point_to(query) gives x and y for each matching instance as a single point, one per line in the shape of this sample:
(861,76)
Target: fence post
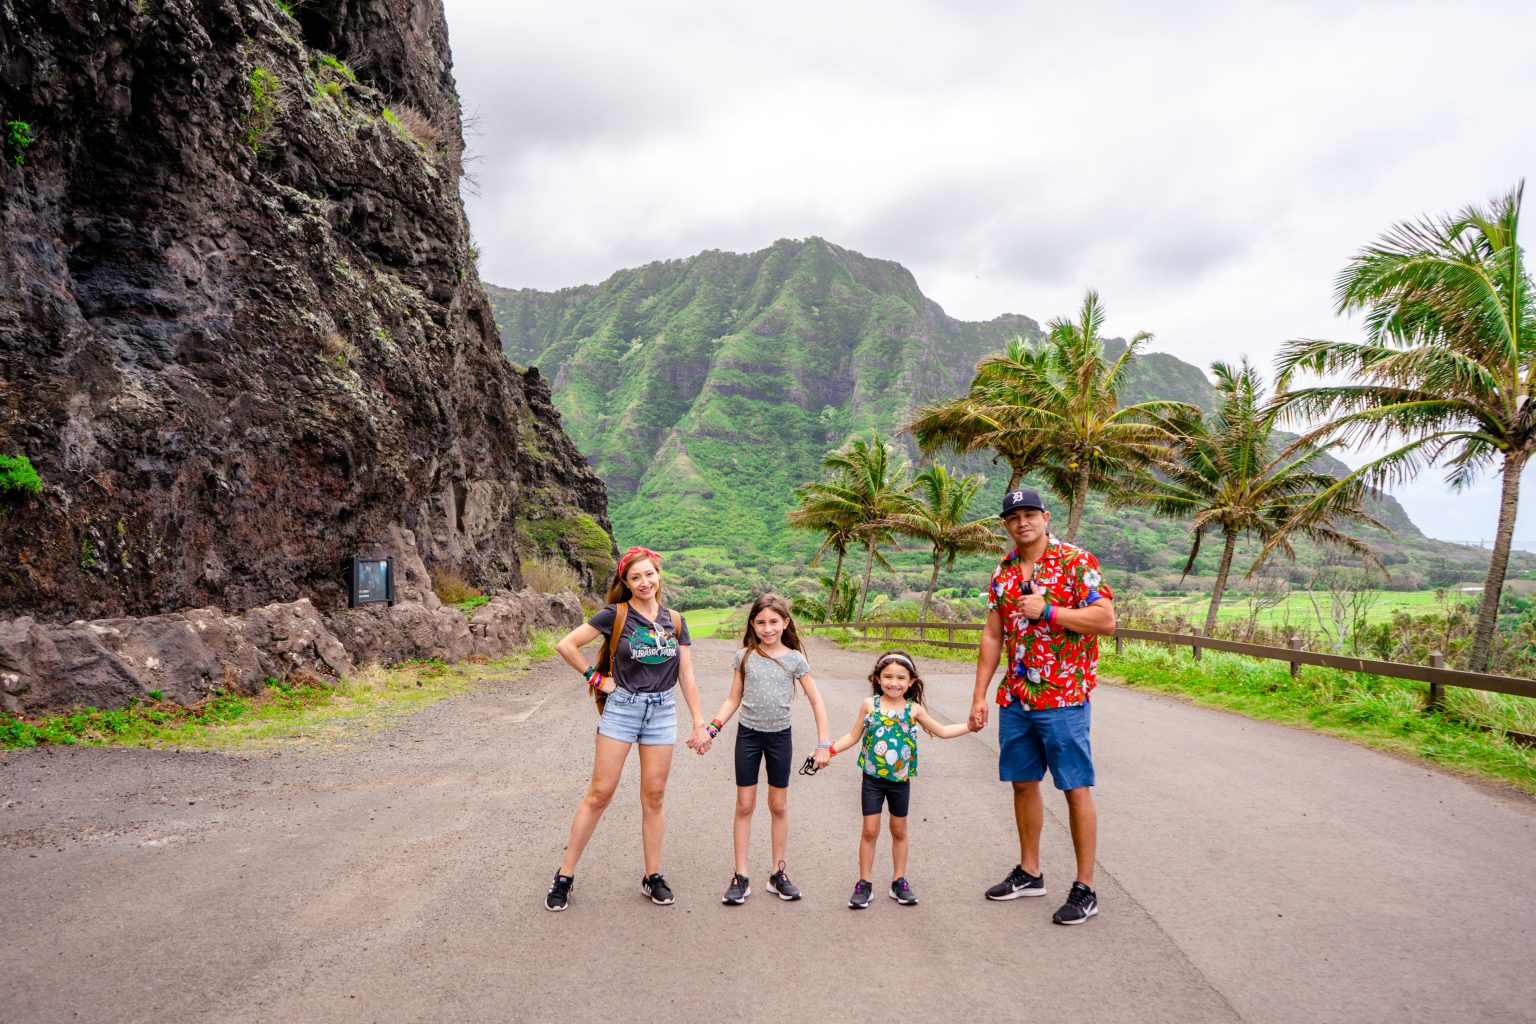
(951,634)
(1195,646)
(1119,644)
(887,630)
(1436,691)
(1295,645)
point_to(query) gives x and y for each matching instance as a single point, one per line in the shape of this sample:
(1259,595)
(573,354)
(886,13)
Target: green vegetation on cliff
(704,390)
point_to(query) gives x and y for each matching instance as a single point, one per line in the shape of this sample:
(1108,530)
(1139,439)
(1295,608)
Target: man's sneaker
(902,893)
(861,894)
(657,889)
(1018,883)
(559,893)
(1080,906)
(780,885)
(737,892)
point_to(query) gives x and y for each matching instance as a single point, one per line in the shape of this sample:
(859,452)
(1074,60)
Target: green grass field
(1298,608)
(707,622)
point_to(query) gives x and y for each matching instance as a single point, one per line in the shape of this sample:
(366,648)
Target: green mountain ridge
(704,390)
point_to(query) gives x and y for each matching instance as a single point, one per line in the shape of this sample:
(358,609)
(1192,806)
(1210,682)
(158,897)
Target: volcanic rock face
(241,332)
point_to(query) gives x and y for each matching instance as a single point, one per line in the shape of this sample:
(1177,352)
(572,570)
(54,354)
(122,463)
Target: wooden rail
(1435,674)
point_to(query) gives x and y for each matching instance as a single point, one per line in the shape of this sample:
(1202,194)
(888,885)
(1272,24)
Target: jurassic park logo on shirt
(648,648)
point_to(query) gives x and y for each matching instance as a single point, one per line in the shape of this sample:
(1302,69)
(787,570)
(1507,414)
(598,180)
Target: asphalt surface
(1246,872)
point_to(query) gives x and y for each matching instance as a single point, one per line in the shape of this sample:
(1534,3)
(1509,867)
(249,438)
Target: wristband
(596,680)
(719,725)
(1050,614)
(824,746)
(586,673)
(713,732)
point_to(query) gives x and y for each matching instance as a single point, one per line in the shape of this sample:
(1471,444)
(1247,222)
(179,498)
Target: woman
(650,657)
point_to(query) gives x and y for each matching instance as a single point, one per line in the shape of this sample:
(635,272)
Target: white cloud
(1209,167)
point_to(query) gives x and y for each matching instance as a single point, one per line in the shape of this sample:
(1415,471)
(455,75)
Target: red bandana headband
(631,555)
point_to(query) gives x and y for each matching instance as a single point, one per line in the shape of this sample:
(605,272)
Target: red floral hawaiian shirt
(1047,667)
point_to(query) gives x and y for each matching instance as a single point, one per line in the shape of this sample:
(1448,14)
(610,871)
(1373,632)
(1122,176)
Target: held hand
(821,758)
(701,739)
(1032,606)
(978,719)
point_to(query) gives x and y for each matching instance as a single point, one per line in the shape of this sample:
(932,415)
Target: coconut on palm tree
(868,489)
(940,519)
(1056,411)
(1225,473)
(1447,370)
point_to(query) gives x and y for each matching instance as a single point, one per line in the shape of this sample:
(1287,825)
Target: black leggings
(753,747)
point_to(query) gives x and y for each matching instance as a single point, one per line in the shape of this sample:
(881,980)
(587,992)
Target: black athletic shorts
(877,791)
(753,747)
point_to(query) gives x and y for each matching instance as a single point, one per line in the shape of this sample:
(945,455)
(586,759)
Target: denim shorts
(1029,742)
(649,719)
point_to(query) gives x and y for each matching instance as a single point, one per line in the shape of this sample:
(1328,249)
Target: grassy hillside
(704,390)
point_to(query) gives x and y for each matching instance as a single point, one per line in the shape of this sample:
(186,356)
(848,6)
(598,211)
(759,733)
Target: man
(1048,603)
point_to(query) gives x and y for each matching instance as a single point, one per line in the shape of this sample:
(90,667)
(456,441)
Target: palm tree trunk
(1493,586)
(922,616)
(837,575)
(869,569)
(1221,581)
(1015,474)
(1079,499)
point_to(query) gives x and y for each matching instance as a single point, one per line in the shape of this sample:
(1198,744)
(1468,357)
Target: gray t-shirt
(767,686)
(646,658)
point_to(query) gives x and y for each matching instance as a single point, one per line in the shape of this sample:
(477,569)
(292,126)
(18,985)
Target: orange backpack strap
(606,661)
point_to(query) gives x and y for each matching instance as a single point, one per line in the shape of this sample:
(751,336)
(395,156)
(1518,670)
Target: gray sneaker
(737,892)
(902,893)
(1018,883)
(657,889)
(780,885)
(861,894)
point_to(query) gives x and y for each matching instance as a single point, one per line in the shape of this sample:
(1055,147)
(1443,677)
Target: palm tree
(1225,473)
(828,514)
(1448,366)
(869,488)
(1056,411)
(940,520)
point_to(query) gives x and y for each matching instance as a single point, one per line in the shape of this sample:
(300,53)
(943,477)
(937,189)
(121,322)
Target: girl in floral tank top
(888,756)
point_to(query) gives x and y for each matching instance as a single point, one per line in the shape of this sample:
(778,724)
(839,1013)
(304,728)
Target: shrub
(264,87)
(18,136)
(451,588)
(18,474)
(551,576)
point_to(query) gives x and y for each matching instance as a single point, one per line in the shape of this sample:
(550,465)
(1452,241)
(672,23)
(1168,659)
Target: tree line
(1446,374)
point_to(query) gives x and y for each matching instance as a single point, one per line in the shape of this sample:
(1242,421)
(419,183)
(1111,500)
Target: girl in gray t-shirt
(771,661)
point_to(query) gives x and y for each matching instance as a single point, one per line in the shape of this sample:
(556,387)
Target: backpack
(605,658)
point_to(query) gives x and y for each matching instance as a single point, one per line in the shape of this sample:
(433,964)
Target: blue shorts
(649,719)
(1029,742)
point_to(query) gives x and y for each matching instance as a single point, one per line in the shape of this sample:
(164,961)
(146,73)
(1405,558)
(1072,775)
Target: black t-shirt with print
(646,658)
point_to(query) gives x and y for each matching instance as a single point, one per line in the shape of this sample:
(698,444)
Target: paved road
(1247,872)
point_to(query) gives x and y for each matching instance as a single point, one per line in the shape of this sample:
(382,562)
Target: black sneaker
(737,892)
(780,885)
(657,889)
(559,893)
(902,893)
(1018,883)
(1080,906)
(861,894)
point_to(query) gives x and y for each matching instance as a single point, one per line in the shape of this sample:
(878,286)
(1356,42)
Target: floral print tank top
(890,744)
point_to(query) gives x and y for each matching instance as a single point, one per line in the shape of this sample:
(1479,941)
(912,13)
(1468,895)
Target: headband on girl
(886,659)
(631,555)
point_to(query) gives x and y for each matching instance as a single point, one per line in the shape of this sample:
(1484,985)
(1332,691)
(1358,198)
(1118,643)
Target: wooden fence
(1435,673)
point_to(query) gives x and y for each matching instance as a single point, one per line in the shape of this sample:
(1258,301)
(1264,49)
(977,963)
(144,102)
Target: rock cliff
(242,336)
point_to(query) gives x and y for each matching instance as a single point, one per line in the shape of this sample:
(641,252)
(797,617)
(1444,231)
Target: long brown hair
(789,638)
(906,661)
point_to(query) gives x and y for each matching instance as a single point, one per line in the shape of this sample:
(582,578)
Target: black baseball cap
(1025,497)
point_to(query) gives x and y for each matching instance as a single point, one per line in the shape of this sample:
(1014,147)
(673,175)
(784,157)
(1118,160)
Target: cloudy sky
(1209,167)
